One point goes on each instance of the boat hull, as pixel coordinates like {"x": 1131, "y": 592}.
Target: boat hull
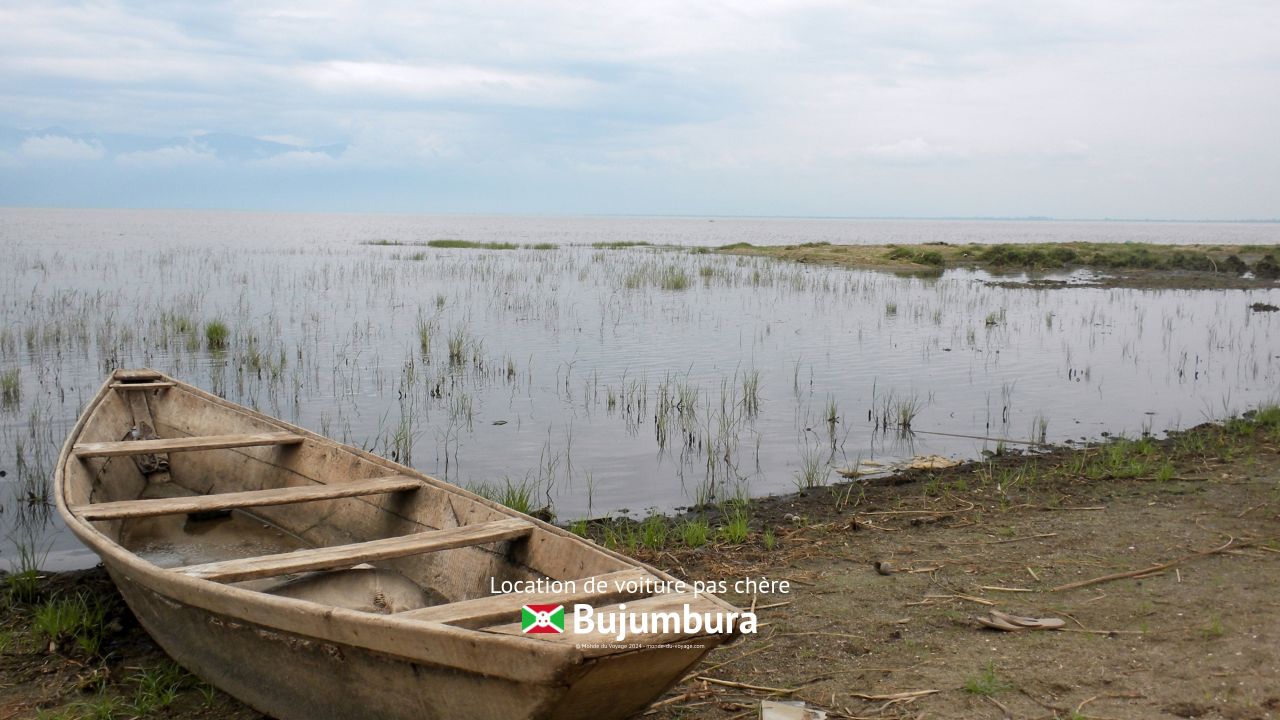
{"x": 294, "y": 677}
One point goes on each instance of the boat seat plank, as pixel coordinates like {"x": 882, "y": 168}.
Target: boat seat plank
{"x": 136, "y": 375}
{"x": 142, "y": 385}
{"x": 597, "y": 643}
{"x": 494, "y": 609}
{"x": 184, "y": 444}
{"x": 251, "y": 498}
{"x": 341, "y": 556}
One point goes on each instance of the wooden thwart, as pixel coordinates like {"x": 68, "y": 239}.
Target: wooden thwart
{"x": 186, "y": 444}
{"x": 340, "y": 556}
{"x": 494, "y": 609}
{"x": 249, "y": 498}
{"x": 142, "y": 385}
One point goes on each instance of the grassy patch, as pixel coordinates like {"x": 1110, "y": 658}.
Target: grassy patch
{"x": 620, "y": 244}
{"x": 517, "y": 496}
{"x": 694, "y": 532}
{"x": 916, "y": 255}
{"x": 737, "y": 524}
{"x": 653, "y": 532}
{"x": 1213, "y": 629}
{"x": 1221, "y": 260}
{"x": 158, "y": 687}
{"x": 471, "y": 244}
{"x": 77, "y": 622}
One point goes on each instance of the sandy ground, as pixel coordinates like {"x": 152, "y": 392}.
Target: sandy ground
{"x": 1199, "y": 639}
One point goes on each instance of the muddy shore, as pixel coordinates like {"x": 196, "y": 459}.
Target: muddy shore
{"x": 1171, "y": 549}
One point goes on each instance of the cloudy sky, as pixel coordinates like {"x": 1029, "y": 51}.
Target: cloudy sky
{"x": 1165, "y": 109}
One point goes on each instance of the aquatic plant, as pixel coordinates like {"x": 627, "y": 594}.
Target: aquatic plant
{"x": 10, "y": 388}
{"x": 216, "y": 334}
{"x": 674, "y": 278}
{"x": 813, "y": 471}
{"x": 519, "y": 496}
{"x": 471, "y": 244}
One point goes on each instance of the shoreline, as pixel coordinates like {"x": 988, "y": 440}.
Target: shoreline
{"x": 883, "y": 576}
{"x": 1131, "y": 265}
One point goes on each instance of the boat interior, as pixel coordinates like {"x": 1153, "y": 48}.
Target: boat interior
{"x": 202, "y": 487}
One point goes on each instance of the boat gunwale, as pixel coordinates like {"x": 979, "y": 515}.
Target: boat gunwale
{"x": 420, "y": 641}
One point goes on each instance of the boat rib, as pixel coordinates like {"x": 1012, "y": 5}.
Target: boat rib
{"x": 187, "y": 444}
{"x": 246, "y": 499}
{"x": 340, "y": 556}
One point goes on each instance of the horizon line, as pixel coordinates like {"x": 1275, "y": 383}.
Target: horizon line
{"x": 690, "y": 216}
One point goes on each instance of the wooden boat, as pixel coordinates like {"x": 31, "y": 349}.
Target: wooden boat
{"x": 313, "y": 580}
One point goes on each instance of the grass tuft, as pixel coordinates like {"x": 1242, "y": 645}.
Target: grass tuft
{"x": 216, "y": 335}
{"x": 987, "y": 683}
{"x": 10, "y": 387}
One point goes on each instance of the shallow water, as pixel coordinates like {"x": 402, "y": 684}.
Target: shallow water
{"x": 605, "y": 380}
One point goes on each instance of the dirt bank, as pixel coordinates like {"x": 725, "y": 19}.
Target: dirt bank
{"x": 1200, "y": 638}
{"x": 1137, "y": 265}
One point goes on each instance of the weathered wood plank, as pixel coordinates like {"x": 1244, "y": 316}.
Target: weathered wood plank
{"x": 140, "y": 374}
{"x": 186, "y": 444}
{"x": 250, "y": 498}
{"x": 142, "y": 385}
{"x": 339, "y": 556}
{"x": 494, "y": 609}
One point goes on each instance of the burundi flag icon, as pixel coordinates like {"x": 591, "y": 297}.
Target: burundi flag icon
{"x": 542, "y": 619}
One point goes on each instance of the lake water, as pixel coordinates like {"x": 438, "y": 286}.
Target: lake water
{"x": 604, "y": 380}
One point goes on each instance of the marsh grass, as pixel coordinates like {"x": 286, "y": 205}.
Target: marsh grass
{"x": 813, "y": 470}
{"x": 425, "y": 331}
{"x": 620, "y": 244}
{"x": 78, "y": 621}
{"x": 737, "y": 523}
{"x": 10, "y": 388}
{"x": 519, "y": 496}
{"x": 22, "y": 584}
{"x": 674, "y": 278}
{"x": 751, "y": 392}
{"x": 471, "y": 244}
{"x": 693, "y": 532}
{"x": 916, "y": 255}
{"x": 216, "y": 335}
{"x": 654, "y": 532}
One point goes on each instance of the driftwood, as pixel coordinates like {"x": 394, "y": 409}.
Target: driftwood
{"x": 1144, "y": 571}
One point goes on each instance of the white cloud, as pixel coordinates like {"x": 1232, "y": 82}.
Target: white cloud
{"x": 60, "y": 147}
{"x": 425, "y": 82}
{"x": 911, "y": 151}
{"x": 169, "y": 157}
{"x": 308, "y": 159}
